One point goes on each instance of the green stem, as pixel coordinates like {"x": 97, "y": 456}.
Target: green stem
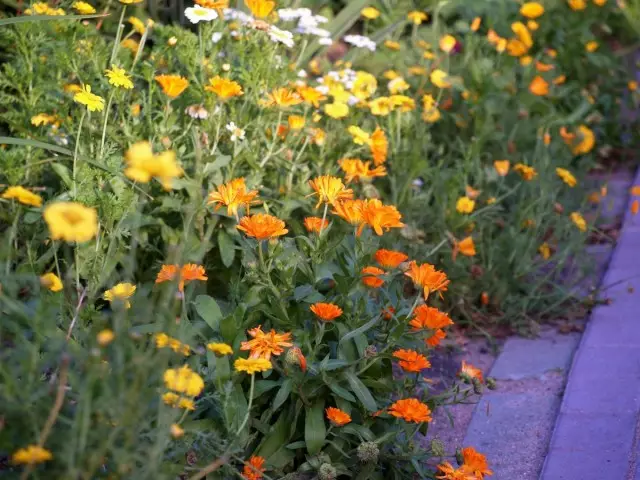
{"x": 75, "y": 155}
{"x": 106, "y": 120}
{"x": 14, "y": 227}
{"x": 246, "y": 417}
{"x": 116, "y": 43}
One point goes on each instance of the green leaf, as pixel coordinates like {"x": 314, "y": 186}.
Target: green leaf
{"x": 63, "y": 173}
{"x": 33, "y": 143}
{"x": 314, "y": 427}
{"x": 39, "y": 18}
{"x": 361, "y": 391}
{"x": 327, "y": 365}
{"x": 276, "y": 439}
{"x": 228, "y": 329}
{"x": 217, "y": 164}
{"x": 209, "y": 310}
{"x": 361, "y": 431}
{"x": 227, "y": 248}
{"x": 296, "y": 445}
{"x": 263, "y": 386}
{"x": 361, "y": 329}
{"x": 341, "y": 392}
{"x": 283, "y": 394}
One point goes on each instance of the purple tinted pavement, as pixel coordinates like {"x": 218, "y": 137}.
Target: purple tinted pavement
{"x": 596, "y": 436}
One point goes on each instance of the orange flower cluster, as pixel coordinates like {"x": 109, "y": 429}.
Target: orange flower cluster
{"x": 430, "y": 318}
{"x": 329, "y": 190}
{"x": 411, "y": 361}
{"x": 315, "y": 224}
{"x": 337, "y": 417}
{"x": 265, "y": 344}
{"x": 326, "y": 311}
{"x": 474, "y": 467}
{"x": 253, "y": 470}
{"x": 370, "y": 277}
{"x": 357, "y": 170}
{"x": 262, "y": 226}
{"x": 411, "y": 410}
{"x": 389, "y": 258}
{"x": 426, "y": 276}
{"x": 186, "y": 273}
{"x": 233, "y": 195}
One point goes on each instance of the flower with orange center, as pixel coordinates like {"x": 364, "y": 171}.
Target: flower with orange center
{"x": 326, "y": 311}
{"x": 464, "y": 247}
{"x": 315, "y": 224}
{"x": 428, "y": 278}
{"x": 254, "y": 468}
{"x": 448, "y": 43}
{"x": 389, "y": 258}
{"x": 426, "y": 317}
{"x": 260, "y": 8}
{"x": 475, "y": 462}
{"x": 265, "y": 344}
{"x": 350, "y": 211}
{"x": 411, "y": 410}
{"x": 411, "y": 361}
{"x": 310, "y": 95}
{"x": 469, "y": 371}
{"x": 356, "y": 169}
{"x": 370, "y": 277}
{"x": 337, "y": 417}
{"x": 379, "y": 146}
{"x": 172, "y": 85}
{"x": 539, "y": 86}
{"x": 329, "y": 190}
{"x": 233, "y": 195}
{"x": 224, "y": 88}
{"x": 185, "y": 274}
{"x": 262, "y": 226}
{"x": 379, "y": 217}
{"x": 281, "y": 97}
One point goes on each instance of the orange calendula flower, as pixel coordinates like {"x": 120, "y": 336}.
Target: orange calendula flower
{"x": 337, "y": 417}
{"x": 185, "y": 274}
{"x": 262, "y": 226}
{"x": 411, "y": 410}
{"x": 531, "y": 10}
{"x": 388, "y": 312}
{"x": 566, "y": 176}
{"x": 526, "y": 172}
{"x": 31, "y": 455}
{"x": 172, "y": 85}
{"x": 465, "y": 205}
{"x": 411, "y": 361}
{"x": 469, "y": 371}
{"x": 502, "y": 167}
{"x": 586, "y": 141}
{"x": 449, "y": 472}
{"x": 426, "y": 317}
{"x": 329, "y": 190}
{"x": 464, "y": 247}
{"x": 539, "y": 86}
{"x": 224, "y": 88}
{"x": 428, "y": 278}
{"x": 448, "y": 43}
{"x": 435, "y": 339}
{"x": 23, "y": 196}
{"x": 265, "y": 344}
{"x": 379, "y": 217}
{"x": 579, "y": 221}
{"x": 635, "y": 206}
{"x": 254, "y": 468}
{"x": 475, "y": 462}
{"x": 370, "y": 277}
{"x": 350, "y": 211}
{"x": 356, "y": 169}
{"x": 475, "y": 24}
{"x": 315, "y": 224}
{"x": 260, "y": 8}
{"x": 310, "y": 95}
{"x": 379, "y": 146}
{"x": 389, "y": 258}
{"x": 233, "y": 195}
{"x": 326, "y": 311}
{"x": 282, "y": 97}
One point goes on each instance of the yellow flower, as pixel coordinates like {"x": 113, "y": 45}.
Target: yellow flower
{"x": 448, "y": 43}
{"x": 539, "y": 86}
{"x": 525, "y": 171}
{"x": 431, "y": 114}
{"x": 545, "y": 250}
{"x": 381, "y": 106}
{"x": 183, "y": 380}
{"x": 579, "y": 221}
{"x": 591, "y": 46}
{"x": 91, "y": 101}
{"x": 439, "y": 79}
{"x": 417, "y": 17}
{"x": 398, "y": 85}
{"x": 391, "y": 45}
{"x": 403, "y": 103}
{"x": 475, "y": 24}
{"x": 632, "y": 85}
{"x": 532, "y": 10}
{"x": 522, "y": 33}
{"x": 577, "y": 5}
{"x": 172, "y": 85}
{"x": 329, "y": 190}
{"x": 105, "y": 337}
{"x": 120, "y": 292}
{"x": 137, "y": 25}
{"x": 43, "y": 119}
{"x": 260, "y": 8}
{"x": 296, "y": 122}
{"x": 51, "y": 282}
{"x": 336, "y": 110}
{"x": 252, "y": 365}
{"x": 566, "y": 176}
{"x": 356, "y": 169}
{"x": 502, "y": 167}
{"x": 31, "y": 455}
{"x": 600, "y": 3}
{"x": 130, "y": 2}
{"x": 364, "y": 85}
{"x": 143, "y": 165}
{"x": 83, "y": 8}
{"x": 310, "y": 95}
{"x": 282, "y": 97}
{"x": 176, "y": 430}
{"x": 360, "y": 137}
{"x": 118, "y": 77}
{"x": 224, "y": 88}
{"x": 176, "y": 401}
{"x": 71, "y": 221}
{"x": 370, "y": 13}
{"x": 465, "y": 205}
{"x": 516, "y": 48}
{"x": 587, "y": 140}
{"x": 220, "y": 348}
{"x": 532, "y": 25}
{"x": 130, "y": 44}
{"x": 23, "y": 196}
{"x": 417, "y": 70}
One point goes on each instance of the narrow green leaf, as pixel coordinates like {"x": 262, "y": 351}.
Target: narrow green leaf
{"x": 63, "y": 173}
{"x": 227, "y": 248}
{"x": 341, "y": 392}
{"x": 361, "y": 329}
{"x": 276, "y": 439}
{"x": 283, "y": 394}
{"x": 39, "y": 18}
{"x": 34, "y": 143}
{"x": 361, "y": 391}
{"x": 263, "y": 386}
{"x": 314, "y": 427}
{"x": 228, "y": 329}
{"x": 209, "y": 310}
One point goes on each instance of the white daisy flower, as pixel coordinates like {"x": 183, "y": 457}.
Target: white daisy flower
{"x": 325, "y": 41}
{"x": 288, "y": 14}
{"x": 236, "y": 132}
{"x": 216, "y": 37}
{"x": 200, "y": 14}
{"x": 361, "y": 41}
{"x": 283, "y": 36}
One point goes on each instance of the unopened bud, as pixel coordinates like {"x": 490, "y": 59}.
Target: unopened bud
{"x": 327, "y": 472}
{"x": 491, "y": 383}
{"x": 368, "y": 452}
{"x": 172, "y": 41}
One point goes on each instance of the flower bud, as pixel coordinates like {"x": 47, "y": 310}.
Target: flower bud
{"x": 491, "y": 383}
{"x": 368, "y": 452}
{"x": 172, "y": 41}
{"x": 370, "y": 352}
{"x": 437, "y": 448}
{"x": 459, "y": 457}
{"x": 327, "y": 472}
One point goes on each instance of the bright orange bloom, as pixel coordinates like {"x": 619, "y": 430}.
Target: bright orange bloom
{"x": 299, "y": 358}
{"x": 349, "y": 210}
{"x": 449, "y": 472}
{"x": 310, "y": 95}
{"x": 337, "y": 416}
{"x": 263, "y": 345}
{"x": 411, "y": 361}
{"x": 233, "y": 194}
{"x": 379, "y": 217}
{"x": 326, "y": 311}
{"x": 260, "y": 8}
{"x": 356, "y": 169}
{"x": 282, "y": 97}
{"x": 315, "y": 224}
{"x": 389, "y": 258}
{"x": 468, "y": 370}
{"x": 411, "y": 410}
{"x": 218, "y": 5}
{"x": 539, "y": 86}
{"x": 387, "y": 312}
{"x": 262, "y": 226}
{"x": 254, "y": 469}
{"x": 427, "y": 277}
{"x": 502, "y": 167}
{"x": 435, "y": 339}
{"x": 370, "y": 278}
{"x": 329, "y": 189}
{"x": 172, "y": 85}
{"x": 224, "y": 88}
{"x": 635, "y": 206}
{"x": 465, "y": 247}
{"x": 526, "y": 172}
{"x": 426, "y": 317}
{"x": 185, "y": 274}
{"x": 475, "y": 462}
{"x": 379, "y": 146}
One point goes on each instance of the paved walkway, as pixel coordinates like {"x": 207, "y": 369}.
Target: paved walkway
{"x": 597, "y": 434}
